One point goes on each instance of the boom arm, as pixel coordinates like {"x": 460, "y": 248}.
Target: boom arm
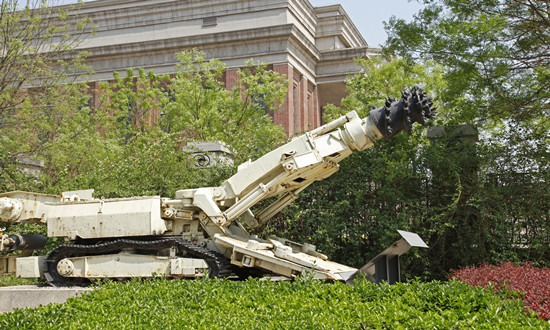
{"x": 311, "y": 157}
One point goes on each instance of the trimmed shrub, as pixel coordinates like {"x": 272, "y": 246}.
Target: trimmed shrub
{"x": 532, "y": 283}
{"x": 254, "y": 304}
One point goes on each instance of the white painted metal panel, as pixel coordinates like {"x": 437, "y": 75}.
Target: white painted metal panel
{"x": 137, "y": 216}
{"x": 30, "y": 267}
{"x": 258, "y": 171}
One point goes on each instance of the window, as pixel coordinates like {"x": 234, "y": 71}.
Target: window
{"x": 209, "y": 21}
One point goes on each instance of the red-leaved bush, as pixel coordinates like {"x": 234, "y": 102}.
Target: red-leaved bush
{"x": 532, "y": 281}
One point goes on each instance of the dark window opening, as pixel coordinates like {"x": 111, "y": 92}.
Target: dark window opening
{"x": 209, "y": 21}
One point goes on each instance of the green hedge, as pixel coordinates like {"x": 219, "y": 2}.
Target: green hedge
{"x": 253, "y": 304}
{"x": 11, "y": 280}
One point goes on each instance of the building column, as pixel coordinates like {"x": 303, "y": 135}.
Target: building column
{"x": 316, "y": 113}
{"x": 94, "y": 94}
{"x": 304, "y": 111}
{"x": 285, "y": 115}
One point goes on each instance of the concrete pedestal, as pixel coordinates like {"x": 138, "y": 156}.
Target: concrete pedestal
{"x": 32, "y": 296}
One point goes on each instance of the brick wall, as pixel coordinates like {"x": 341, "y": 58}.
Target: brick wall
{"x": 231, "y": 78}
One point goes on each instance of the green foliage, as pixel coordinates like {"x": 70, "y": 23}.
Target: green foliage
{"x": 131, "y": 102}
{"x": 34, "y": 38}
{"x": 37, "y": 104}
{"x": 151, "y": 163}
{"x": 199, "y": 96}
{"x": 495, "y": 54}
{"x": 256, "y": 304}
{"x": 203, "y": 109}
{"x": 13, "y": 281}
{"x": 145, "y": 119}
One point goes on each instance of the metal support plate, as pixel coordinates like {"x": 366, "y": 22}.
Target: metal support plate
{"x": 385, "y": 266}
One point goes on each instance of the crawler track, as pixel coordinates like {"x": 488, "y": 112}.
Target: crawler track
{"x": 218, "y": 264}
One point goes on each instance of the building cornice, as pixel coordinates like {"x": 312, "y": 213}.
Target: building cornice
{"x": 144, "y": 13}
{"x": 188, "y": 42}
{"x": 111, "y": 15}
{"x": 336, "y": 16}
{"x": 338, "y": 54}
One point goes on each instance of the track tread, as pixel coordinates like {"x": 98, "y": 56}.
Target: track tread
{"x": 218, "y": 263}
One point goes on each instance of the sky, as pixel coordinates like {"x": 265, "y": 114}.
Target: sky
{"x": 369, "y": 15}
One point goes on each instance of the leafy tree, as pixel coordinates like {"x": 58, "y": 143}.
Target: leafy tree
{"x": 204, "y": 110}
{"x": 145, "y": 120}
{"x": 495, "y": 52}
{"x": 495, "y": 55}
{"x": 35, "y": 42}
{"x": 133, "y": 102}
{"x": 38, "y": 100}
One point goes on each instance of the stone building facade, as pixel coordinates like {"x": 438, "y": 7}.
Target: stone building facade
{"x": 314, "y": 47}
